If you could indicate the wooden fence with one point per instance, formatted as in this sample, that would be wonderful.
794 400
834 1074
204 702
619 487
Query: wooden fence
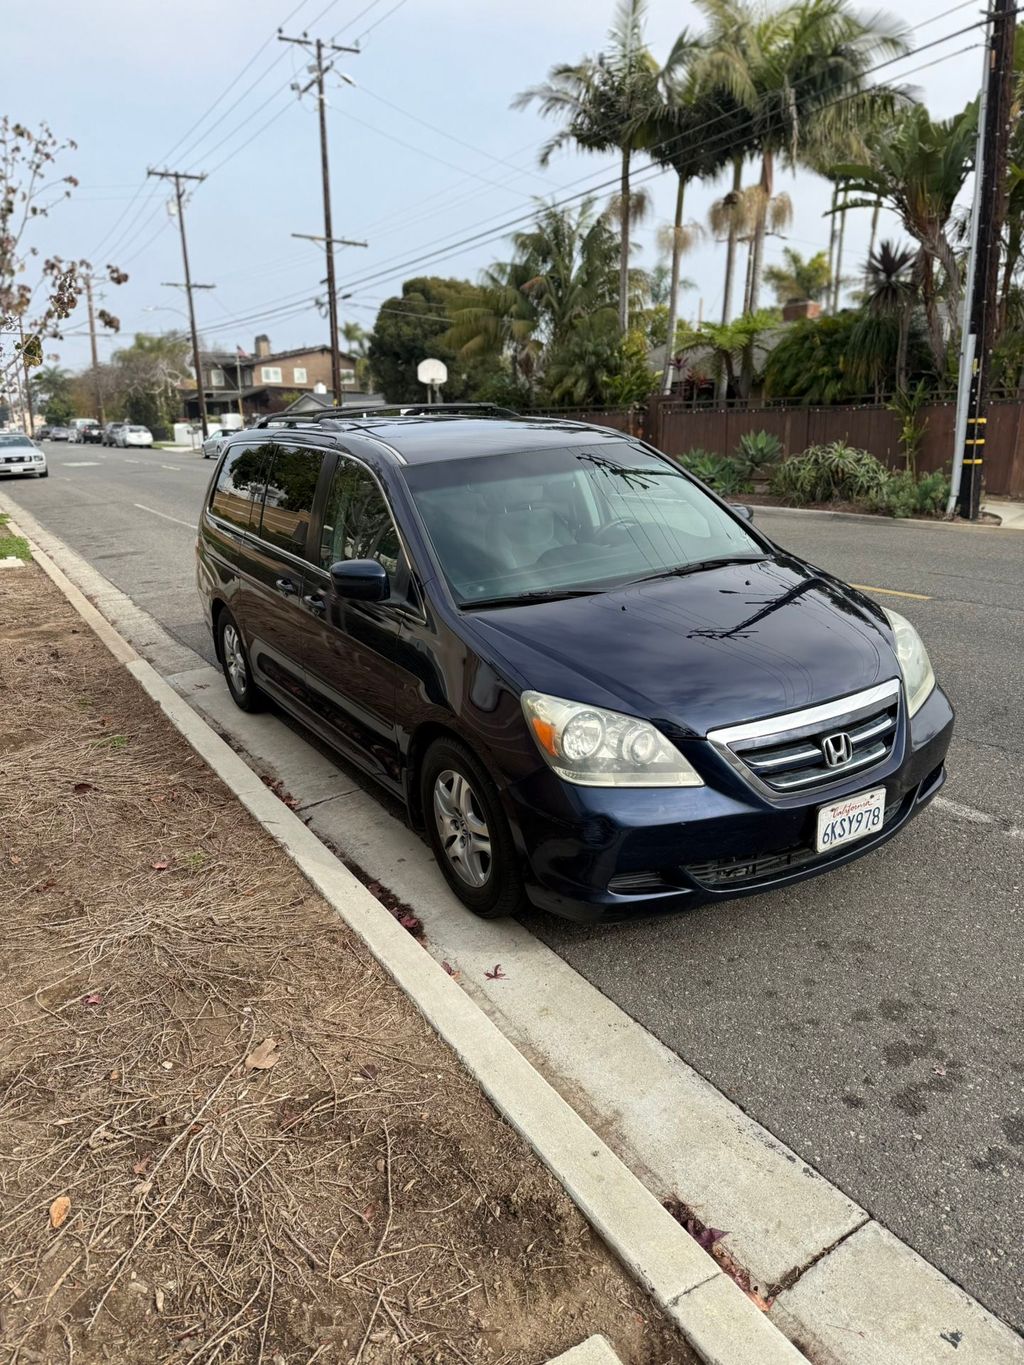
674 427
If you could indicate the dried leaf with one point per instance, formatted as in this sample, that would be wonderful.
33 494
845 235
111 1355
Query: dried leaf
161 865
81 787
59 1210
101 1135
15 860
497 974
453 972
93 998
756 1299
142 1189
141 1166
158 1298
263 1057
368 1071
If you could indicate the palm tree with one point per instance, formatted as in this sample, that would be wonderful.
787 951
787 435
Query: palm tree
891 292
733 348
605 102
918 167
731 218
553 306
799 73
356 338
49 382
799 278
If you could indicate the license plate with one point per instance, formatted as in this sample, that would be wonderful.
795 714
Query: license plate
855 817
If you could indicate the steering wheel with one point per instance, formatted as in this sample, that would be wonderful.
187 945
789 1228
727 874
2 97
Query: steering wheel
619 524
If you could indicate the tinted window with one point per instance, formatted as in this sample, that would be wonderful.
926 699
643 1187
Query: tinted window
357 523
585 517
291 487
8 440
240 485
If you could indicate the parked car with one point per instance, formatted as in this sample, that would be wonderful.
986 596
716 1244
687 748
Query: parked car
43 434
214 442
92 435
20 455
597 685
60 434
127 435
110 431
80 429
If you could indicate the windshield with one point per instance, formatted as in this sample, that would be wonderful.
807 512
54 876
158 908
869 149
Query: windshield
582 518
7 439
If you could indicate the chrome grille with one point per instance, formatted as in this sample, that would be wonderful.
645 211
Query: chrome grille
789 754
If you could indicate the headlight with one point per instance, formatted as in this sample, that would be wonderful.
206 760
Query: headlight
597 748
918 678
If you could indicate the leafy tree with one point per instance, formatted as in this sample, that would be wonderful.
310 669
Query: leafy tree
52 391
414 326
850 356
29 189
798 278
150 375
606 102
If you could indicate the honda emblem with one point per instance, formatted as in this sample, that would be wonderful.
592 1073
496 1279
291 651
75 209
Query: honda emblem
837 749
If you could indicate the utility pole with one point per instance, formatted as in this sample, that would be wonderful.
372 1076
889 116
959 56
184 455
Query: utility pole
95 353
179 177
318 47
981 298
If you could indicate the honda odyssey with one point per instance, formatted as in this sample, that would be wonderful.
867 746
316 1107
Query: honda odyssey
596 686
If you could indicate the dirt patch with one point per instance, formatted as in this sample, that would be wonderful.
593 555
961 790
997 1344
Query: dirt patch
347 1195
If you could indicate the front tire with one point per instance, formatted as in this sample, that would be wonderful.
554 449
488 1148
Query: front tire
235 663
468 831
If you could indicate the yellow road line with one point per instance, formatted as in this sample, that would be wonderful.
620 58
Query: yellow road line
892 592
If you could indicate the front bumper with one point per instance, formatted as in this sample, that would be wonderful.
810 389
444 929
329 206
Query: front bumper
30 467
594 853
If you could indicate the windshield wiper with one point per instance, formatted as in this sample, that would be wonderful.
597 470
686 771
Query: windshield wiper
699 565
539 595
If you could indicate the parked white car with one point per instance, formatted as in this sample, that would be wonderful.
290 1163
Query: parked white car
20 455
133 436
217 437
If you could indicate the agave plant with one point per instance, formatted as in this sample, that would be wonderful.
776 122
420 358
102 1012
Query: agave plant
827 472
756 449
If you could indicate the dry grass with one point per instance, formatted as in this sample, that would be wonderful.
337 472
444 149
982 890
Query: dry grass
358 1201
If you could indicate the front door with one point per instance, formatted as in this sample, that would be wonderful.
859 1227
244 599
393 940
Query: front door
351 647
277 567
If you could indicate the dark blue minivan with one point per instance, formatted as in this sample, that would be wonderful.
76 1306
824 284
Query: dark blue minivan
596 686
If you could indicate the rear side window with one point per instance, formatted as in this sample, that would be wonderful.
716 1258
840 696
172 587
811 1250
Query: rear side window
291 488
240 483
357 522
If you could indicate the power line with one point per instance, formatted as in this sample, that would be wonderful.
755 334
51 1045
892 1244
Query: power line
451 248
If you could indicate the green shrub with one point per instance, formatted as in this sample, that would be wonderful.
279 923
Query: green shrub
759 448
721 473
906 496
829 472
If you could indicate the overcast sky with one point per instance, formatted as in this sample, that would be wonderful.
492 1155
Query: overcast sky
425 149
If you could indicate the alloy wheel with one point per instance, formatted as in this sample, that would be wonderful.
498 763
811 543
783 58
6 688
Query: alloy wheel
465 836
234 659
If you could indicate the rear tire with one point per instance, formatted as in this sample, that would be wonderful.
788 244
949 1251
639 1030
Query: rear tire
235 662
468 831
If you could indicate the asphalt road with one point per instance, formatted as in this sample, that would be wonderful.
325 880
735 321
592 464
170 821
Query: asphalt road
873 1018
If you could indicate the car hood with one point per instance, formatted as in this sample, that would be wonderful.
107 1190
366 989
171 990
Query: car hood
713 648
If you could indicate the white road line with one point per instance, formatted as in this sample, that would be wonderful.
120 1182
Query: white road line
152 510
175 467
134 462
80 464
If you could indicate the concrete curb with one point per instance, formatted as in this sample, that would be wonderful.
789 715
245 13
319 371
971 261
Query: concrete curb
711 1312
823 514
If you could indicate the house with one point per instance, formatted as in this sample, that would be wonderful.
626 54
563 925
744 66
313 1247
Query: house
265 381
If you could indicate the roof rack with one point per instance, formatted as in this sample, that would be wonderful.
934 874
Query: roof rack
354 411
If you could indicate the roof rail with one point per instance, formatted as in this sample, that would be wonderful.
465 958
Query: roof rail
283 419
415 410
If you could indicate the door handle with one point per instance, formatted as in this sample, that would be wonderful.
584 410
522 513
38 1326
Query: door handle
315 602
285 585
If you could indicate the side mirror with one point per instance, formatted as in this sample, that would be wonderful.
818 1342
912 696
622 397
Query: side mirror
363 580
742 510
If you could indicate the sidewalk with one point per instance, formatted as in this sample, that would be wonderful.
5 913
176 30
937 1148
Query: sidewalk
228 1134
1012 513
